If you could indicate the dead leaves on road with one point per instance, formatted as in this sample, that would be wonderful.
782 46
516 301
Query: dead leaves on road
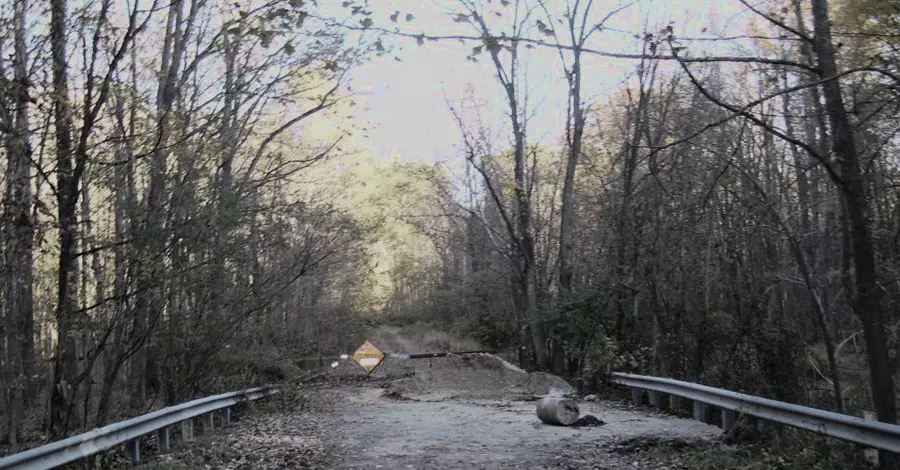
263 439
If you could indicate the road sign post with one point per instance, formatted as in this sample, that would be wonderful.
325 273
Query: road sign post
368 357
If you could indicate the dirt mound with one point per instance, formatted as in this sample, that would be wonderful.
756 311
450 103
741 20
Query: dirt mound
588 421
479 376
542 383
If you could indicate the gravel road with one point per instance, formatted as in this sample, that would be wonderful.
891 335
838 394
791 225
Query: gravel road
378 432
448 428
455 413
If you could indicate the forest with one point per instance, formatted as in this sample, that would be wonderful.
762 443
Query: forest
189 199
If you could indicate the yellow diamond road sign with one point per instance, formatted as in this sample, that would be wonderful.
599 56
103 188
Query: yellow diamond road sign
368 356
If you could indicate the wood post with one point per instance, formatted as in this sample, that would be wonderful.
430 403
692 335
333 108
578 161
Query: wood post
653 398
162 439
187 431
207 422
728 419
763 425
703 412
674 403
637 396
870 454
134 451
226 416
657 400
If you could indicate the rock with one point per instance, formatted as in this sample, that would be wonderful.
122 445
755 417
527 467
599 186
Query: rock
557 410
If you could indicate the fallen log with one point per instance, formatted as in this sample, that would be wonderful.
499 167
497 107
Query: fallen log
557 410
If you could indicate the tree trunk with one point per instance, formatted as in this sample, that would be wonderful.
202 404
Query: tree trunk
119 349
868 294
151 272
527 267
575 133
524 236
19 228
623 229
65 364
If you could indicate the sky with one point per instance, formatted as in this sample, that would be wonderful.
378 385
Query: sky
405 102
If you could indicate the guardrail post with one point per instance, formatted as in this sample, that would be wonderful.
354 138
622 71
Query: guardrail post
187 430
728 419
653 398
162 439
226 416
674 402
637 395
762 425
703 412
207 422
871 454
658 400
134 450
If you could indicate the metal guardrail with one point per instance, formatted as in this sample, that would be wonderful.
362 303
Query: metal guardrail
848 428
129 431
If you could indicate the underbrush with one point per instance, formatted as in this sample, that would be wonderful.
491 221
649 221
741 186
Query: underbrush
432 338
787 449
797 453
251 367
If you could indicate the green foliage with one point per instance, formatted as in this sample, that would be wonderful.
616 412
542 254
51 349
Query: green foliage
765 358
583 321
257 366
475 310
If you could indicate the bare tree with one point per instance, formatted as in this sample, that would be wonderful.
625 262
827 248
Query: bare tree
19 226
508 73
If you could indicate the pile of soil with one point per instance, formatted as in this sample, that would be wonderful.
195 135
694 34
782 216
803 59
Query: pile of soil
483 376
588 421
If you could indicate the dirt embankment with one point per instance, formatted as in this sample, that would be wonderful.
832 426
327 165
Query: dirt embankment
483 376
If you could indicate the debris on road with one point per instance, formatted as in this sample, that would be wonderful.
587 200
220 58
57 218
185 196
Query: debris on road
394 395
480 376
558 410
588 421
